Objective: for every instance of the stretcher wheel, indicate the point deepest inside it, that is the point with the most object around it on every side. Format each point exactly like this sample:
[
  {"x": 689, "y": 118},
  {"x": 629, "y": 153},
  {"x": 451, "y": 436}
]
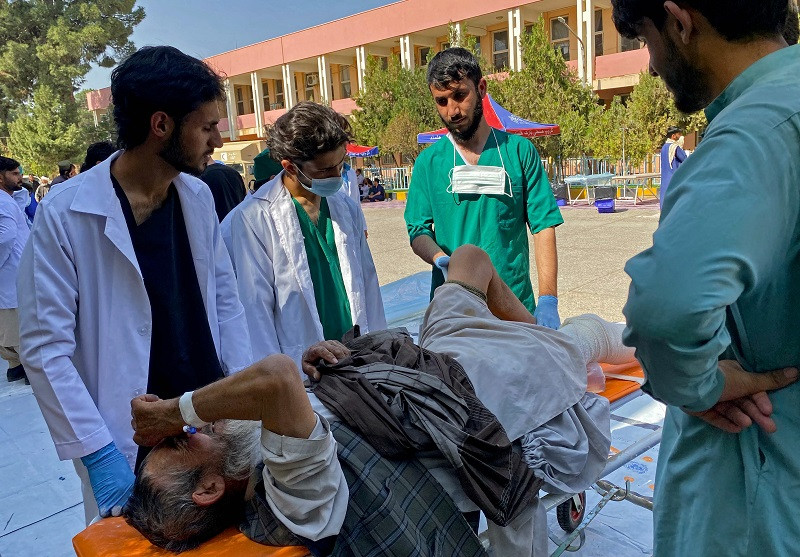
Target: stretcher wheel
[{"x": 570, "y": 513}]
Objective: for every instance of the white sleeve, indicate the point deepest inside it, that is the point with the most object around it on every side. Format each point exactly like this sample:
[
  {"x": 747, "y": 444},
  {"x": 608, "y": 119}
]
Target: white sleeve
[{"x": 304, "y": 483}]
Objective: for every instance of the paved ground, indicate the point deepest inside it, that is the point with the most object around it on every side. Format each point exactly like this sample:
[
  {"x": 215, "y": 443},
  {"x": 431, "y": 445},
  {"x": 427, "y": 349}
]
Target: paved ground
[
  {"x": 592, "y": 251},
  {"x": 40, "y": 501}
]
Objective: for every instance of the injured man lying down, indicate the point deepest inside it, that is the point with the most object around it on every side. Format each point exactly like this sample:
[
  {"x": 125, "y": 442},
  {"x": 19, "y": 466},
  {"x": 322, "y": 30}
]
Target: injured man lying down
[{"x": 393, "y": 446}]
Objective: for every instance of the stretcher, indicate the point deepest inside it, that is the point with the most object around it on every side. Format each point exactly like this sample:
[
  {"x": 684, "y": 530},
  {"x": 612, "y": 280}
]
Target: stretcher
[
  {"x": 113, "y": 536},
  {"x": 623, "y": 384}
]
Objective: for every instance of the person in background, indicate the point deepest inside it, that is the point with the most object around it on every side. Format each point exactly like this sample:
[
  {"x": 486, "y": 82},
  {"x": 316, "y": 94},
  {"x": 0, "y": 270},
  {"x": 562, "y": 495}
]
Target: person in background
[
  {"x": 125, "y": 286},
  {"x": 303, "y": 266},
  {"x": 672, "y": 156},
  {"x": 712, "y": 309},
  {"x": 14, "y": 232},
  {"x": 365, "y": 188},
  {"x": 66, "y": 170},
  {"x": 226, "y": 185},
  {"x": 376, "y": 192},
  {"x": 97, "y": 153},
  {"x": 482, "y": 186}
]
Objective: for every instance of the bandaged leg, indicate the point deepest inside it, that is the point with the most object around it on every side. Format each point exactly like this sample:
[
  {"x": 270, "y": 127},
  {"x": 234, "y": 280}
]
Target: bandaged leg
[
  {"x": 304, "y": 483},
  {"x": 597, "y": 339}
]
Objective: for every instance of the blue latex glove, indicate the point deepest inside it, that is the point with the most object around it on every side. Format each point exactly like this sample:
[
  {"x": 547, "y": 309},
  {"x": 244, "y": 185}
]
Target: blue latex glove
[
  {"x": 546, "y": 312},
  {"x": 111, "y": 478},
  {"x": 443, "y": 262}
]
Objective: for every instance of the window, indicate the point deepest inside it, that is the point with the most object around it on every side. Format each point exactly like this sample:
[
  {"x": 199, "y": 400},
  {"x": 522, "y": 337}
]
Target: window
[
  {"x": 500, "y": 49},
  {"x": 312, "y": 79},
  {"x": 626, "y": 44},
  {"x": 598, "y": 32},
  {"x": 265, "y": 87},
  {"x": 344, "y": 79},
  {"x": 477, "y": 45},
  {"x": 279, "y": 98},
  {"x": 383, "y": 61},
  {"x": 244, "y": 100},
  {"x": 423, "y": 55},
  {"x": 444, "y": 46},
  {"x": 559, "y": 36}
]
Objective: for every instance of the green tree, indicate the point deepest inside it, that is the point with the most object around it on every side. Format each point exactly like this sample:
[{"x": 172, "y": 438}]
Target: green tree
[
  {"x": 547, "y": 91},
  {"x": 50, "y": 130},
  {"x": 393, "y": 95},
  {"x": 651, "y": 110},
  {"x": 54, "y": 43}
]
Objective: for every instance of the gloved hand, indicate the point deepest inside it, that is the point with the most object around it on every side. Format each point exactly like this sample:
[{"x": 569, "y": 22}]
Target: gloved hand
[
  {"x": 443, "y": 262},
  {"x": 111, "y": 478},
  {"x": 546, "y": 312}
]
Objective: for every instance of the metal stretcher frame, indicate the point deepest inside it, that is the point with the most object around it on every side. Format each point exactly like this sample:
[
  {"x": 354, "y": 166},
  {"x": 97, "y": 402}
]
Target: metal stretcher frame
[
  {"x": 588, "y": 183},
  {"x": 643, "y": 182},
  {"x": 607, "y": 490}
]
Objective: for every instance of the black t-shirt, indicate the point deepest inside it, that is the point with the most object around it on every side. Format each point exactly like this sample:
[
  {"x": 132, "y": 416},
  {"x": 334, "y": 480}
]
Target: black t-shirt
[
  {"x": 182, "y": 353},
  {"x": 226, "y": 186}
]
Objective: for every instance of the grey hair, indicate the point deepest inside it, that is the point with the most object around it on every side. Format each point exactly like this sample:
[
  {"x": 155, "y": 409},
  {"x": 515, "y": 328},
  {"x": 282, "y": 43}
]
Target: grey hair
[{"x": 162, "y": 509}]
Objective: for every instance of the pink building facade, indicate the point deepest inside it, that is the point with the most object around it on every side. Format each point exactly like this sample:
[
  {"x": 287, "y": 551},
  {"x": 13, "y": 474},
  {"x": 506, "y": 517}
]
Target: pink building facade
[{"x": 327, "y": 63}]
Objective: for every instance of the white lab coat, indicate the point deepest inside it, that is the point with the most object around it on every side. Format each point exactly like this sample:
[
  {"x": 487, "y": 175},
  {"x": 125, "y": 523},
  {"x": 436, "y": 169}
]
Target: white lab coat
[
  {"x": 274, "y": 278},
  {"x": 84, "y": 313}
]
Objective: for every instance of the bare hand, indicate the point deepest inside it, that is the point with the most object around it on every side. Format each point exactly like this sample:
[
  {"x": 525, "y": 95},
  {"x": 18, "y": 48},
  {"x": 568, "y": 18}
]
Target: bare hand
[
  {"x": 153, "y": 419},
  {"x": 330, "y": 351},
  {"x": 744, "y": 398}
]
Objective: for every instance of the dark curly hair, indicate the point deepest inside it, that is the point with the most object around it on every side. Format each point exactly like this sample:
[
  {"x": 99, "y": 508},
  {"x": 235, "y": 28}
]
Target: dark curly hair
[
  {"x": 306, "y": 131},
  {"x": 735, "y": 20},
  {"x": 159, "y": 78}
]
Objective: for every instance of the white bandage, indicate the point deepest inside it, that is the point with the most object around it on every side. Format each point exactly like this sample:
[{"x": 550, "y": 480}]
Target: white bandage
[{"x": 187, "y": 411}]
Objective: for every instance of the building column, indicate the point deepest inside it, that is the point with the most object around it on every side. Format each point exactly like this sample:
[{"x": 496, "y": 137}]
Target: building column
[
  {"x": 588, "y": 19},
  {"x": 96, "y": 118},
  {"x": 324, "y": 79},
  {"x": 230, "y": 103},
  {"x": 585, "y": 30},
  {"x": 458, "y": 38},
  {"x": 406, "y": 52},
  {"x": 361, "y": 66},
  {"x": 288, "y": 86},
  {"x": 258, "y": 102},
  {"x": 515, "y": 39}
]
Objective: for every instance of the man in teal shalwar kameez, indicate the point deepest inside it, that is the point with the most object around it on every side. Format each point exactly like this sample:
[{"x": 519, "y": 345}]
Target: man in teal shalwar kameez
[{"x": 714, "y": 305}]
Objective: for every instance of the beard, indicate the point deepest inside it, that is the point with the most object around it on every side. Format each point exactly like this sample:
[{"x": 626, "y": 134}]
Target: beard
[
  {"x": 174, "y": 153},
  {"x": 469, "y": 132},
  {"x": 685, "y": 80},
  {"x": 241, "y": 439}
]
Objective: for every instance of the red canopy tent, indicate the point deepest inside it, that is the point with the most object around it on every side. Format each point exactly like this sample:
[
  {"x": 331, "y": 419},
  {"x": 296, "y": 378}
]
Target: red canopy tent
[
  {"x": 501, "y": 119},
  {"x": 360, "y": 151}
]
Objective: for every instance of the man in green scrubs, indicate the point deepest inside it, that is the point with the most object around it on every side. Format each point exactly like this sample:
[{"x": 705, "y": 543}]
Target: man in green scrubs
[
  {"x": 714, "y": 305},
  {"x": 440, "y": 216}
]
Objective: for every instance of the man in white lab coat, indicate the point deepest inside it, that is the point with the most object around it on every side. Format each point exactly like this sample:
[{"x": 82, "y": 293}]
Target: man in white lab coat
[
  {"x": 126, "y": 286},
  {"x": 303, "y": 266}
]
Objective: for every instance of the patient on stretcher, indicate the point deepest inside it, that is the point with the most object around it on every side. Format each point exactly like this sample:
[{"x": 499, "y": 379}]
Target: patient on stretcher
[{"x": 531, "y": 378}]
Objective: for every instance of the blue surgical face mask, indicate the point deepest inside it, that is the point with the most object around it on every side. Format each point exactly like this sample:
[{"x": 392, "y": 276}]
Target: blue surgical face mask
[{"x": 322, "y": 187}]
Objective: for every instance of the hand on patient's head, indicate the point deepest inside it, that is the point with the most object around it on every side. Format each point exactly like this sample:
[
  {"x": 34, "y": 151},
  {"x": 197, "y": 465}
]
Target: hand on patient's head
[
  {"x": 153, "y": 419},
  {"x": 330, "y": 351}
]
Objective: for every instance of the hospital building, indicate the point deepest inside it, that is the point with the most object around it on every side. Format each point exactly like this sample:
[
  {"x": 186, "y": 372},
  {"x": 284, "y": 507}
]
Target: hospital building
[{"x": 327, "y": 63}]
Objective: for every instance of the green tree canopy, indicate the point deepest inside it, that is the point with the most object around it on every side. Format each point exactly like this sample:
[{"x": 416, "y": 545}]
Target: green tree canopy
[
  {"x": 547, "y": 91},
  {"x": 52, "y": 131},
  {"x": 397, "y": 96},
  {"x": 46, "y": 49}
]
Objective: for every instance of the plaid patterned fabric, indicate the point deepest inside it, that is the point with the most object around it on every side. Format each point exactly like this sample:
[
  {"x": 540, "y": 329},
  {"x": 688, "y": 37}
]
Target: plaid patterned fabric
[{"x": 396, "y": 509}]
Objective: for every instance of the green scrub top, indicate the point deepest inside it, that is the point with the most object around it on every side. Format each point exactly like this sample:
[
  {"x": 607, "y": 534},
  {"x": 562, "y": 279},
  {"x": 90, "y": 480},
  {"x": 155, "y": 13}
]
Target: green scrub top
[
  {"x": 722, "y": 280},
  {"x": 333, "y": 305},
  {"x": 494, "y": 223}
]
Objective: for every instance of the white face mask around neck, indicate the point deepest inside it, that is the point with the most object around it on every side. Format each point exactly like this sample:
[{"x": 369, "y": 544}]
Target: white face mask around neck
[{"x": 479, "y": 179}]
